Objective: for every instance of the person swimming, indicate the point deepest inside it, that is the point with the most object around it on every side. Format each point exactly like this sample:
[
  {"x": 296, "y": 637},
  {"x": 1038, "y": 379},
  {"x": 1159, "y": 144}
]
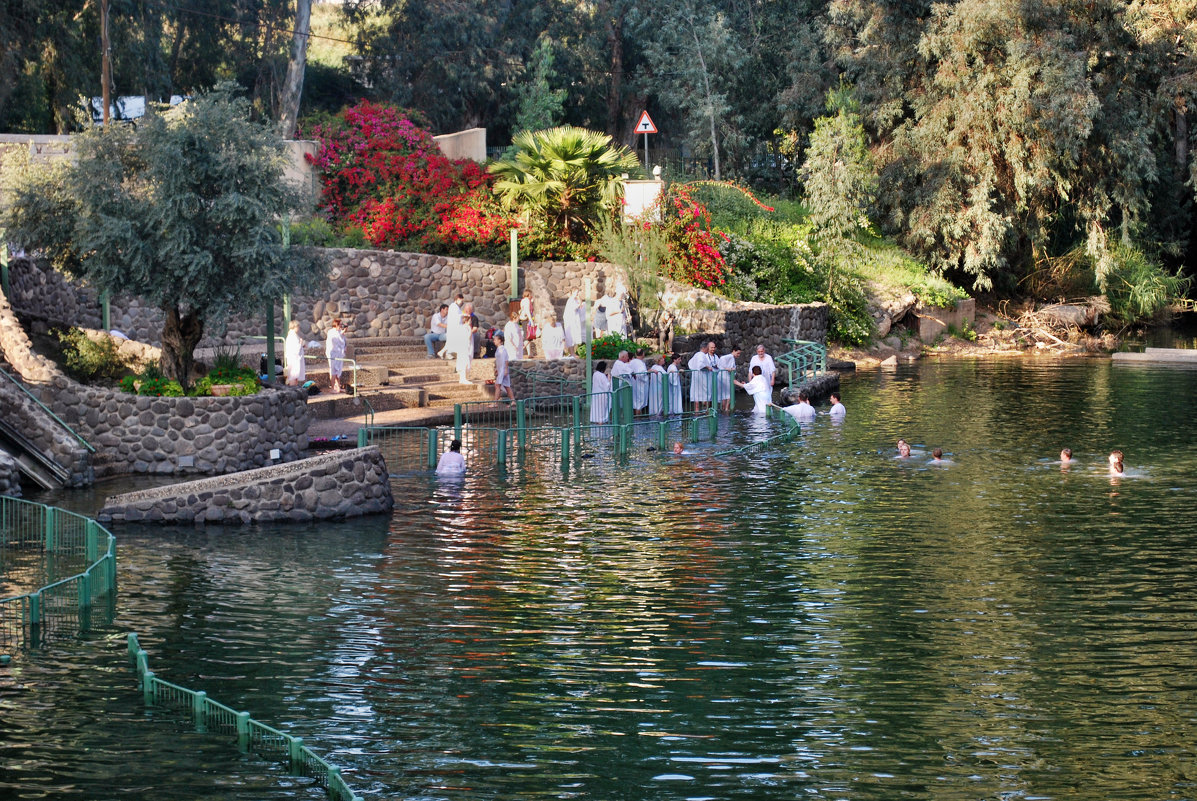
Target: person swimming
[
  {"x": 903, "y": 449},
  {"x": 1066, "y": 456},
  {"x": 937, "y": 455},
  {"x": 1116, "y": 465},
  {"x": 678, "y": 448}
]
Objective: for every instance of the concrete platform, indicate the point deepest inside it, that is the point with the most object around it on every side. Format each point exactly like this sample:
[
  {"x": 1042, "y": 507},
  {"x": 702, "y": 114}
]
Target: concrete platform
[{"x": 1174, "y": 356}]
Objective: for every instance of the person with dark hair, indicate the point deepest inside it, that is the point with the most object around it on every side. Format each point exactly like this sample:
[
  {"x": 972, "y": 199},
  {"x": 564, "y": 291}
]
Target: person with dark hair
[
  {"x": 438, "y": 329},
  {"x": 451, "y": 463},
  {"x": 1065, "y": 457},
  {"x": 801, "y": 411},
  {"x": 937, "y": 456},
  {"x": 837, "y": 410},
  {"x": 600, "y": 394},
  {"x": 502, "y": 371},
  {"x": 759, "y": 389}
]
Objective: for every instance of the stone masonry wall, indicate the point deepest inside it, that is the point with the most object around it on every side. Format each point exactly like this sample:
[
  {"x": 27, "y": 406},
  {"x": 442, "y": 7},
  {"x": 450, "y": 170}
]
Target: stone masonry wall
[
  {"x": 10, "y": 476},
  {"x": 135, "y": 434},
  {"x": 334, "y": 485}
]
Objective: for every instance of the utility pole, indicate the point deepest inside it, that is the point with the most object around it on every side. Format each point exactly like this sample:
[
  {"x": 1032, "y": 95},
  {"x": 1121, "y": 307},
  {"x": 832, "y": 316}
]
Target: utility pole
[{"x": 106, "y": 68}]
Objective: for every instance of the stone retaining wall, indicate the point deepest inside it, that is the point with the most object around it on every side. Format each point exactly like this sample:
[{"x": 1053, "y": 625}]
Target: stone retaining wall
[
  {"x": 334, "y": 485},
  {"x": 10, "y": 476}
]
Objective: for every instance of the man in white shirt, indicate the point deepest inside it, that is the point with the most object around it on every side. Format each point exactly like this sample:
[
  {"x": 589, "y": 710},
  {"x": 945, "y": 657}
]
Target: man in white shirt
[
  {"x": 837, "y": 411},
  {"x": 765, "y": 362},
  {"x": 702, "y": 373},
  {"x": 438, "y": 328},
  {"x": 801, "y": 411}
]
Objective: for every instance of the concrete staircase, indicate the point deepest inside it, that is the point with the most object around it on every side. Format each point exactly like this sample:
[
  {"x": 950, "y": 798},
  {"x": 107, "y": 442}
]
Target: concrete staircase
[{"x": 396, "y": 373}]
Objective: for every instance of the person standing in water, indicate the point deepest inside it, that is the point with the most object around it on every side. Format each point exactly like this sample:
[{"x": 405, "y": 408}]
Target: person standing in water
[{"x": 1116, "y": 466}]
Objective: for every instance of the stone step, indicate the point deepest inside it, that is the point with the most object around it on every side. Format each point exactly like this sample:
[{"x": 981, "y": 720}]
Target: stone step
[
  {"x": 368, "y": 375},
  {"x": 324, "y": 407}
]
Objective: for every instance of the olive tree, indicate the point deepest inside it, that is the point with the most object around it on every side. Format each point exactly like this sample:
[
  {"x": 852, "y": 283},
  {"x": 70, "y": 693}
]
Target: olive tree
[{"x": 183, "y": 211}]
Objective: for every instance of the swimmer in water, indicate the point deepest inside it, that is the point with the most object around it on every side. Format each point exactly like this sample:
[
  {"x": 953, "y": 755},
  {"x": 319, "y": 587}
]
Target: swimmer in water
[
  {"x": 678, "y": 450},
  {"x": 903, "y": 449},
  {"x": 1066, "y": 456},
  {"x": 1116, "y": 466},
  {"x": 937, "y": 455}
]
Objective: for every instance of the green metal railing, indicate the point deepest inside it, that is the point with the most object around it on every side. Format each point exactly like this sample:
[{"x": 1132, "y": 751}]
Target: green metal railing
[
  {"x": 68, "y": 564},
  {"x": 806, "y": 359},
  {"x": 792, "y": 429},
  {"x": 212, "y": 717},
  {"x": 46, "y": 409}
]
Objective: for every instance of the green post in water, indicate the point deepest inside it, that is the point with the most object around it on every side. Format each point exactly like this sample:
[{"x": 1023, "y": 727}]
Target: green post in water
[
  {"x": 106, "y": 310},
  {"x": 270, "y": 342}
]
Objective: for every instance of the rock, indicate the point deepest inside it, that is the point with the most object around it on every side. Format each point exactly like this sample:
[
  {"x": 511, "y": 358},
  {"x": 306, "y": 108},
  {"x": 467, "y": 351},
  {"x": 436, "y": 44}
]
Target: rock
[{"x": 892, "y": 361}]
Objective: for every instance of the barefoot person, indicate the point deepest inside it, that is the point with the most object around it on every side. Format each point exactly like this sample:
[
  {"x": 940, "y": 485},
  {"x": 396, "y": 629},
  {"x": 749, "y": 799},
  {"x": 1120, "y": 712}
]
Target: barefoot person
[
  {"x": 334, "y": 351},
  {"x": 502, "y": 372}
]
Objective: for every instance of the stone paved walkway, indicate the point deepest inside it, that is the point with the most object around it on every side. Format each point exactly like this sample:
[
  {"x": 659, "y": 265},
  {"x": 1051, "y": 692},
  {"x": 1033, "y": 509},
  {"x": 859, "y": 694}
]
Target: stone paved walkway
[{"x": 348, "y": 426}]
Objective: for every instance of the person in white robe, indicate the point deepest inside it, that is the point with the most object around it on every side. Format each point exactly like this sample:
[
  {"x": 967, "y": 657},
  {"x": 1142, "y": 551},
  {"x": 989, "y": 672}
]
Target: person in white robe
[
  {"x": 293, "y": 350},
  {"x": 502, "y": 373},
  {"x": 727, "y": 374},
  {"x": 600, "y": 394},
  {"x": 463, "y": 344},
  {"x": 656, "y": 386},
  {"x": 639, "y": 382},
  {"x": 617, "y": 319},
  {"x": 452, "y": 320},
  {"x": 574, "y": 313},
  {"x": 334, "y": 351},
  {"x": 759, "y": 389},
  {"x": 702, "y": 366},
  {"x": 622, "y": 376},
  {"x": 513, "y": 337},
  {"x": 801, "y": 411},
  {"x": 837, "y": 410},
  {"x": 765, "y": 362},
  {"x": 553, "y": 338},
  {"x": 451, "y": 463},
  {"x": 674, "y": 374}
]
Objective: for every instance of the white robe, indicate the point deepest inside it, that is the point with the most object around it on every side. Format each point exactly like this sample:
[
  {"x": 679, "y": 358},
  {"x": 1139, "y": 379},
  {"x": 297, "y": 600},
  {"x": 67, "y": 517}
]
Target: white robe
[
  {"x": 616, "y": 320},
  {"x": 451, "y": 463},
  {"x": 502, "y": 374},
  {"x": 639, "y": 384},
  {"x": 334, "y": 349},
  {"x": 700, "y": 365},
  {"x": 656, "y": 382},
  {"x": 452, "y": 321},
  {"x": 675, "y": 390},
  {"x": 802, "y": 412},
  {"x": 838, "y": 411},
  {"x": 760, "y": 391},
  {"x": 768, "y": 368},
  {"x": 513, "y": 340},
  {"x": 460, "y": 342},
  {"x": 553, "y": 341},
  {"x": 293, "y": 357},
  {"x": 572, "y": 317},
  {"x": 600, "y": 398},
  {"x": 621, "y": 376},
  {"x": 727, "y": 371}
]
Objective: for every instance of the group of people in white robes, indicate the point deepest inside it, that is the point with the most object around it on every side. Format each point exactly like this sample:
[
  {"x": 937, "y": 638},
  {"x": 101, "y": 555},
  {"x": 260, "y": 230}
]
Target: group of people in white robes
[{"x": 295, "y": 349}]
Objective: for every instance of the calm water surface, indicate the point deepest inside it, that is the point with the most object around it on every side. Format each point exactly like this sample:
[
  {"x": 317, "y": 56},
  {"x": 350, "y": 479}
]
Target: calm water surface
[{"x": 824, "y": 622}]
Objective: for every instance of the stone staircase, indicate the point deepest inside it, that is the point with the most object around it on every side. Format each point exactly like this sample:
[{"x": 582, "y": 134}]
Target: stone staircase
[{"x": 396, "y": 373}]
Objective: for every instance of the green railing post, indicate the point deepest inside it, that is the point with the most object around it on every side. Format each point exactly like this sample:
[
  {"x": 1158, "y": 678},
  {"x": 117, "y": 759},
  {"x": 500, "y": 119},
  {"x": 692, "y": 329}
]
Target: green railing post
[
  {"x": 51, "y": 541},
  {"x": 91, "y": 543},
  {"x": 106, "y": 310},
  {"x": 662, "y": 432},
  {"x": 577, "y": 404},
  {"x": 199, "y": 710},
  {"x": 295, "y": 751},
  {"x": 432, "y": 448},
  {"x": 84, "y": 594},
  {"x": 243, "y": 732},
  {"x": 362, "y": 437},
  {"x": 147, "y": 686},
  {"x": 694, "y": 429},
  {"x": 503, "y": 448},
  {"x": 714, "y": 423},
  {"x": 270, "y": 355},
  {"x": 565, "y": 450},
  {"x": 521, "y": 422},
  {"x": 457, "y": 421}
]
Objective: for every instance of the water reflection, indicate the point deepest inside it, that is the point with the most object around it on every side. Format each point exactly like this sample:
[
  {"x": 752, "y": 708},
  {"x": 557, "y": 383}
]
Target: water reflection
[{"x": 822, "y": 621}]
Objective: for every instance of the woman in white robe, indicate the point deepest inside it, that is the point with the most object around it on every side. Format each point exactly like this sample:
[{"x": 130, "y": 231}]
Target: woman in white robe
[
  {"x": 553, "y": 339},
  {"x": 460, "y": 343},
  {"x": 727, "y": 373},
  {"x": 639, "y": 384},
  {"x": 702, "y": 365},
  {"x": 600, "y": 394},
  {"x": 293, "y": 350},
  {"x": 574, "y": 312},
  {"x": 617, "y": 322},
  {"x": 334, "y": 351},
  {"x": 656, "y": 386},
  {"x": 759, "y": 389},
  {"x": 673, "y": 373},
  {"x": 513, "y": 337}
]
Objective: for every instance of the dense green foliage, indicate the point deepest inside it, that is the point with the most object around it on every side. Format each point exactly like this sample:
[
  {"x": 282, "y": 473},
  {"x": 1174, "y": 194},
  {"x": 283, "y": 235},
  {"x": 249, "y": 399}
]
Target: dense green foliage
[
  {"x": 608, "y": 347},
  {"x": 89, "y": 359},
  {"x": 181, "y": 211}
]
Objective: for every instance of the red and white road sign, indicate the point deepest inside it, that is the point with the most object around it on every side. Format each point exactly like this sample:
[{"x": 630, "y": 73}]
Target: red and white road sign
[{"x": 645, "y": 124}]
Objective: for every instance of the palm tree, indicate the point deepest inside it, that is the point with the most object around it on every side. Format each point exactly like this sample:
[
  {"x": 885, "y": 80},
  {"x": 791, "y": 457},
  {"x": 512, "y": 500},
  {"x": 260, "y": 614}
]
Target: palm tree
[{"x": 564, "y": 178}]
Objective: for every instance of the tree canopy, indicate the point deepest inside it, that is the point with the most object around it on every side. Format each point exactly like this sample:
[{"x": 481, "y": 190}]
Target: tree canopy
[{"x": 182, "y": 211}]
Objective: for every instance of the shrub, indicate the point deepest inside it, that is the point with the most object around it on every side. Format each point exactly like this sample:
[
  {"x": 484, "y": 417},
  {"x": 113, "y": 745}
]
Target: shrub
[
  {"x": 386, "y": 177},
  {"x": 90, "y": 360},
  {"x": 1137, "y": 286},
  {"x": 609, "y": 346}
]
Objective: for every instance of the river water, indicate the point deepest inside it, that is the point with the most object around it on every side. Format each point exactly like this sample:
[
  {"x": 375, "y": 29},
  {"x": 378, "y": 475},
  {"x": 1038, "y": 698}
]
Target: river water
[{"x": 822, "y": 622}]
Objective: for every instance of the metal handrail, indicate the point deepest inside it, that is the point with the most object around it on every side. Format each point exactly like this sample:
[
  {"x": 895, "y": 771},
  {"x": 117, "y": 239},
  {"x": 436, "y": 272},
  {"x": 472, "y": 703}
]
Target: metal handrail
[
  {"x": 807, "y": 357},
  {"x": 47, "y": 410}
]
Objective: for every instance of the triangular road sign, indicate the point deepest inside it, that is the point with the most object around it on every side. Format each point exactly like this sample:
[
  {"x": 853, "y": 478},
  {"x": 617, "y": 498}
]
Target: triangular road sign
[{"x": 645, "y": 124}]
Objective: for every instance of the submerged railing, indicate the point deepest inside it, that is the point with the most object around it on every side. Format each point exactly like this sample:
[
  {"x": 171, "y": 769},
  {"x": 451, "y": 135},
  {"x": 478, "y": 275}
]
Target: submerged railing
[
  {"x": 67, "y": 564},
  {"x": 212, "y": 717}
]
